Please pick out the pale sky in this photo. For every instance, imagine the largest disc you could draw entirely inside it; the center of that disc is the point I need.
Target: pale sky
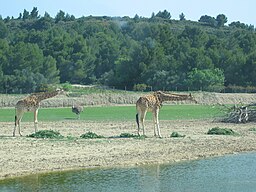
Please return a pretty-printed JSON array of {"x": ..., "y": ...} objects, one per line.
[{"x": 235, "y": 10}]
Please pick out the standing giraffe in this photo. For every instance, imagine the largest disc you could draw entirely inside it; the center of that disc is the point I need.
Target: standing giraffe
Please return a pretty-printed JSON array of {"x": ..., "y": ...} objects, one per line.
[
  {"x": 31, "y": 104},
  {"x": 153, "y": 103}
]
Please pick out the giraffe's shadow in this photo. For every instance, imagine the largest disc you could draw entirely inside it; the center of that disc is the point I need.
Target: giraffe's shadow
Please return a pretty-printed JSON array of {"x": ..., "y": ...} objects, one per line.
[
  {"x": 6, "y": 136},
  {"x": 71, "y": 118}
]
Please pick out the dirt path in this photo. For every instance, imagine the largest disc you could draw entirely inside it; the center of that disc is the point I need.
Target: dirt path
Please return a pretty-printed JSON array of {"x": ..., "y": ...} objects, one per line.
[{"x": 22, "y": 155}]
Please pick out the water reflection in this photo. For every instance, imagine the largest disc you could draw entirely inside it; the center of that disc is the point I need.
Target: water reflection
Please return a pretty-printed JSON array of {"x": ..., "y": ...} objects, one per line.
[{"x": 229, "y": 173}]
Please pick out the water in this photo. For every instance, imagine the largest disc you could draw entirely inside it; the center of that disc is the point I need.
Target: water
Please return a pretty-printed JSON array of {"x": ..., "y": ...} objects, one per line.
[{"x": 230, "y": 173}]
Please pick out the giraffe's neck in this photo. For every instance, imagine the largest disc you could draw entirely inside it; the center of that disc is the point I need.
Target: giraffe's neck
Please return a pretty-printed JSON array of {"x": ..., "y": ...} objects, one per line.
[
  {"x": 172, "y": 97},
  {"x": 42, "y": 96}
]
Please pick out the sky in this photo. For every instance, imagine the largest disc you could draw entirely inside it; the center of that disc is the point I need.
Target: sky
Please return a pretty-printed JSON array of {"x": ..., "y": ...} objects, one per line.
[{"x": 235, "y": 10}]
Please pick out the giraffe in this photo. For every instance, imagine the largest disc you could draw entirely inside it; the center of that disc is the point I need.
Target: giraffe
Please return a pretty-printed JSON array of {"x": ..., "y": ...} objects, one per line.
[
  {"x": 31, "y": 104},
  {"x": 153, "y": 103}
]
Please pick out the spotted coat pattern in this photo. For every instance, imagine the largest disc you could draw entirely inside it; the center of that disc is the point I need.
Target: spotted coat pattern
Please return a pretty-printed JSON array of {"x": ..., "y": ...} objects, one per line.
[
  {"x": 31, "y": 104},
  {"x": 153, "y": 103}
]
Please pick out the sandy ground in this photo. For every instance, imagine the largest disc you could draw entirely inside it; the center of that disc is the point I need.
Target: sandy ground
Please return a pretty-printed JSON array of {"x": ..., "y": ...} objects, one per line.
[{"x": 23, "y": 156}]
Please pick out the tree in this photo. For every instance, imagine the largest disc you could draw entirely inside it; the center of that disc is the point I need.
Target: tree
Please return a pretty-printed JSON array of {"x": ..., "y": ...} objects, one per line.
[
  {"x": 60, "y": 16},
  {"x": 164, "y": 14},
  {"x": 207, "y": 79},
  {"x": 3, "y": 30},
  {"x": 108, "y": 50},
  {"x": 182, "y": 17},
  {"x": 159, "y": 80},
  {"x": 25, "y": 14},
  {"x": 27, "y": 81},
  {"x": 44, "y": 22},
  {"x": 221, "y": 19},
  {"x": 250, "y": 69},
  {"x": 195, "y": 35},
  {"x": 49, "y": 70},
  {"x": 34, "y": 13},
  {"x": 124, "y": 51},
  {"x": 208, "y": 20},
  {"x": 136, "y": 18}
]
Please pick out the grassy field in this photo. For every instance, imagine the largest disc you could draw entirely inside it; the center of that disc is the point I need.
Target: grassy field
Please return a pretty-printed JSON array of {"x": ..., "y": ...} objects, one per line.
[{"x": 114, "y": 113}]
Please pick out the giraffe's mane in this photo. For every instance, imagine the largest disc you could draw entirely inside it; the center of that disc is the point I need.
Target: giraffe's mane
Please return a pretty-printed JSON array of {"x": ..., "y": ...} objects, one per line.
[{"x": 171, "y": 94}]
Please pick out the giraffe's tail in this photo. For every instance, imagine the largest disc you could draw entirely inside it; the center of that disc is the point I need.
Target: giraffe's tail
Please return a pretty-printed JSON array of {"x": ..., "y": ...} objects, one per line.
[
  {"x": 15, "y": 120},
  {"x": 137, "y": 120}
]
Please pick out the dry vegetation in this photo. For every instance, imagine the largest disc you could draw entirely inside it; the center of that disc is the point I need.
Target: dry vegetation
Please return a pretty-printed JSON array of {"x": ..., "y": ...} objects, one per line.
[{"x": 108, "y": 98}]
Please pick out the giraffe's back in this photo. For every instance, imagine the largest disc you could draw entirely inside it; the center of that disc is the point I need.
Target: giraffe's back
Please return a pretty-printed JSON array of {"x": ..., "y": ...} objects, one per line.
[
  {"x": 27, "y": 104},
  {"x": 148, "y": 102}
]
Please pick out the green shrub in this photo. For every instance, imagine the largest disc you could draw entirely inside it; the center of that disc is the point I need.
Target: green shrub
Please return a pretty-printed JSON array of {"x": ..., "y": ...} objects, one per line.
[
  {"x": 66, "y": 86},
  {"x": 46, "y": 134},
  {"x": 140, "y": 87},
  {"x": 91, "y": 135},
  {"x": 221, "y": 131},
  {"x": 252, "y": 129},
  {"x": 127, "y": 135},
  {"x": 176, "y": 134}
]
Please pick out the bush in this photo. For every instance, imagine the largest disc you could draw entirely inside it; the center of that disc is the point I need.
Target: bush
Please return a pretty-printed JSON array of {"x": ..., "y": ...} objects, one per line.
[
  {"x": 221, "y": 131},
  {"x": 206, "y": 79},
  {"x": 46, "y": 134},
  {"x": 91, "y": 135},
  {"x": 140, "y": 87},
  {"x": 67, "y": 86},
  {"x": 176, "y": 134}
]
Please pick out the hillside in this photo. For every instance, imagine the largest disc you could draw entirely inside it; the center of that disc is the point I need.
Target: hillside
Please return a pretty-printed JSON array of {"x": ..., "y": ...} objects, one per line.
[{"x": 119, "y": 52}]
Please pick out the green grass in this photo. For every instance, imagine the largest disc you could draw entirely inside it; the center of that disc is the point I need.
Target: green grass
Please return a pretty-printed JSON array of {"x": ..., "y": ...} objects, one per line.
[{"x": 114, "y": 113}]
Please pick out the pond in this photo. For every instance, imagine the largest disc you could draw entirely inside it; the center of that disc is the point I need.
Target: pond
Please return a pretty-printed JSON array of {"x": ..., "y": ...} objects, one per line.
[{"x": 228, "y": 173}]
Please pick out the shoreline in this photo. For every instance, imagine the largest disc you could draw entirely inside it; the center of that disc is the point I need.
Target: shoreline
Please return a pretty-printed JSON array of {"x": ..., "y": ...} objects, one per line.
[{"x": 22, "y": 156}]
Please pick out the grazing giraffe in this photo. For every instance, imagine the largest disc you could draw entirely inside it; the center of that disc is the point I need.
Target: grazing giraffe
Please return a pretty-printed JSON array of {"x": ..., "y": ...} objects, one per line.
[
  {"x": 31, "y": 104},
  {"x": 153, "y": 103}
]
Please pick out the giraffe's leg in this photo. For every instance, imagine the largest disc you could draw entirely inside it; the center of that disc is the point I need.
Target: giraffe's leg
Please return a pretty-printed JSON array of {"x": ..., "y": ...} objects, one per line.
[
  {"x": 19, "y": 127},
  {"x": 18, "y": 118},
  {"x": 138, "y": 123},
  {"x": 154, "y": 122},
  {"x": 16, "y": 123},
  {"x": 35, "y": 119},
  {"x": 142, "y": 120},
  {"x": 157, "y": 123}
]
